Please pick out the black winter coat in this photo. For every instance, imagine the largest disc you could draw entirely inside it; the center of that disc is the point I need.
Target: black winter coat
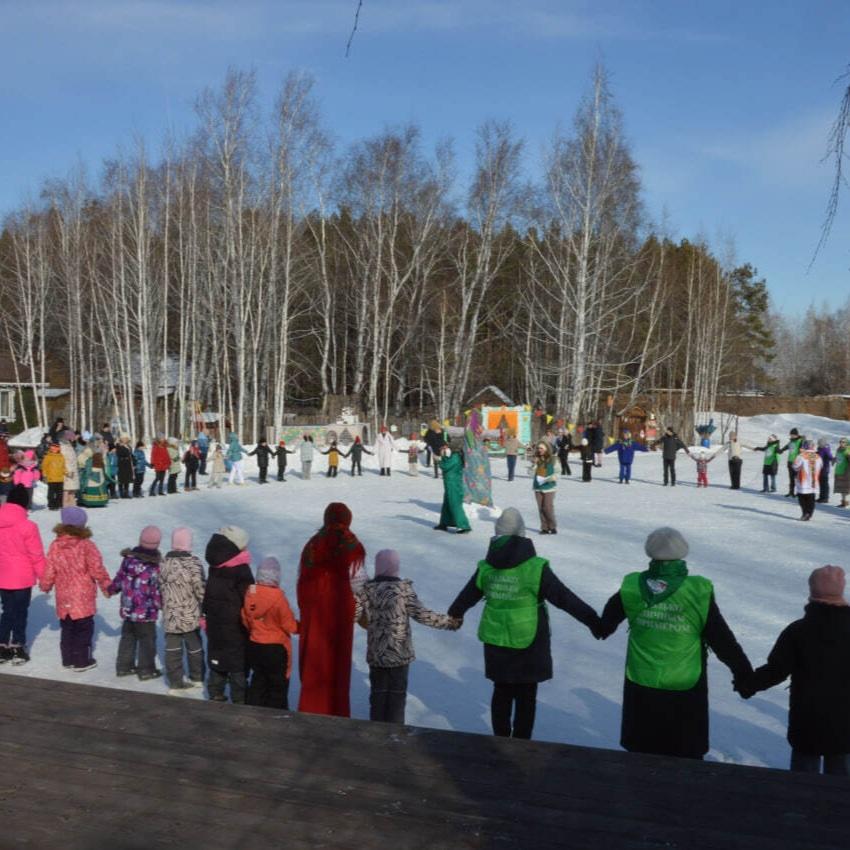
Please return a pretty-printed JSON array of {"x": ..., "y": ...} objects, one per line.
[
  {"x": 263, "y": 453},
  {"x": 281, "y": 454},
  {"x": 124, "y": 455},
  {"x": 563, "y": 446},
  {"x": 815, "y": 652},
  {"x": 595, "y": 437},
  {"x": 534, "y": 663},
  {"x": 227, "y": 638},
  {"x": 674, "y": 723},
  {"x": 356, "y": 452},
  {"x": 435, "y": 440},
  {"x": 670, "y": 444}
]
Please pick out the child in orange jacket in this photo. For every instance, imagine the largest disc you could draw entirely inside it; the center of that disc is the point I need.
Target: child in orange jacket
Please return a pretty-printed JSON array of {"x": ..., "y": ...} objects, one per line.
[{"x": 270, "y": 622}]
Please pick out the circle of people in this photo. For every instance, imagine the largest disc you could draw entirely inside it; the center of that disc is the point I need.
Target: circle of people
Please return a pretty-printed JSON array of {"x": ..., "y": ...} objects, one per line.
[{"x": 672, "y": 615}]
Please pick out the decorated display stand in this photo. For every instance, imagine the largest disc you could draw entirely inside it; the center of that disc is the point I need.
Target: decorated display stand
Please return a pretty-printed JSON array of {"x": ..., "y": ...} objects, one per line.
[{"x": 498, "y": 421}]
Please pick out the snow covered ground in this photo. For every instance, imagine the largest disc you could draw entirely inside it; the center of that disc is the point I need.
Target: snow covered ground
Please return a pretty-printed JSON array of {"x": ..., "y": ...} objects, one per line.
[{"x": 750, "y": 545}]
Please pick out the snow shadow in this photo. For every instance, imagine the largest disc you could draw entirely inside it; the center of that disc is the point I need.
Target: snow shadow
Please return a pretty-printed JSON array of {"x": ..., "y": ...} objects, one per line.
[
  {"x": 428, "y": 523},
  {"x": 434, "y": 507},
  {"x": 756, "y": 511}
]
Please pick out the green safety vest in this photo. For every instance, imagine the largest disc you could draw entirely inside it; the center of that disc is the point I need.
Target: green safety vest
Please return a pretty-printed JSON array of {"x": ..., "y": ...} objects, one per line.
[
  {"x": 770, "y": 453},
  {"x": 512, "y": 609},
  {"x": 665, "y": 639},
  {"x": 794, "y": 447},
  {"x": 841, "y": 459}
]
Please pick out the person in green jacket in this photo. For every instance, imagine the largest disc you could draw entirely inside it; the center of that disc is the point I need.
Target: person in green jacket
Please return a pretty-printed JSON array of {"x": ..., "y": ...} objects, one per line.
[
  {"x": 673, "y": 621},
  {"x": 516, "y": 584},
  {"x": 771, "y": 463},
  {"x": 793, "y": 447},
  {"x": 452, "y": 514}
]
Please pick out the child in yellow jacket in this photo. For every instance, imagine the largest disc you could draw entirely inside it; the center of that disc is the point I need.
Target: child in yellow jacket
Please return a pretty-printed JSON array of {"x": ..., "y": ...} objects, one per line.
[{"x": 53, "y": 470}]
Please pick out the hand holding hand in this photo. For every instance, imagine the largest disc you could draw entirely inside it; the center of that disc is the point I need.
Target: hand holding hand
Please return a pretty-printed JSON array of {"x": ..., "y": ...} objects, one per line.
[{"x": 455, "y": 623}]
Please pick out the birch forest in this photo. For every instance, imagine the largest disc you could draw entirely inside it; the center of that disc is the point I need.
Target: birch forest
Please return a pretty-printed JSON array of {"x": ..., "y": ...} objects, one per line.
[{"x": 256, "y": 268}]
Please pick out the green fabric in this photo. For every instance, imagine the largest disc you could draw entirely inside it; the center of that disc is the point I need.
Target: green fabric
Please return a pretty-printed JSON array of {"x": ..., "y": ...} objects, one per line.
[
  {"x": 665, "y": 639},
  {"x": 452, "y": 514},
  {"x": 93, "y": 493},
  {"x": 842, "y": 457},
  {"x": 512, "y": 609},
  {"x": 794, "y": 447},
  {"x": 671, "y": 573},
  {"x": 770, "y": 453},
  {"x": 548, "y": 485}
]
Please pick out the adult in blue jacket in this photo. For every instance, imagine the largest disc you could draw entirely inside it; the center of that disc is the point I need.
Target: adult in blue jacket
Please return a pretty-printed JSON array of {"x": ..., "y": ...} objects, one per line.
[{"x": 626, "y": 448}]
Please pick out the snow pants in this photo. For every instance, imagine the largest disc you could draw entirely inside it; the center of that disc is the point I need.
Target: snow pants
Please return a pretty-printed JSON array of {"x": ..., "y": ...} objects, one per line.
[
  {"x": 218, "y": 681},
  {"x": 511, "y": 459},
  {"x": 75, "y": 641},
  {"x": 172, "y": 482},
  {"x": 54, "y": 496},
  {"x": 388, "y": 695},
  {"x": 625, "y": 472},
  {"x": 236, "y": 472},
  {"x": 136, "y": 649},
  {"x": 586, "y": 470},
  {"x": 670, "y": 471},
  {"x": 824, "y": 488},
  {"x": 702, "y": 479},
  {"x": 792, "y": 478},
  {"x": 175, "y": 645},
  {"x": 158, "y": 483},
  {"x": 512, "y": 709},
  {"x": 546, "y": 509},
  {"x": 563, "y": 457},
  {"x": 13, "y": 620},
  {"x": 355, "y": 464},
  {"x": 269, "y": 686},
  {"x": 306, "y": 466},
  {"x": 735, "y": 464},
  {"x": 807, "y": 503},
  {"x": 264, "y": 473}
]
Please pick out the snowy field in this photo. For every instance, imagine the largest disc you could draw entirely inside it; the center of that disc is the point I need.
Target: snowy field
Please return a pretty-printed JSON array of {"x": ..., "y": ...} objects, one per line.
[{"x": 750, "y": 545}]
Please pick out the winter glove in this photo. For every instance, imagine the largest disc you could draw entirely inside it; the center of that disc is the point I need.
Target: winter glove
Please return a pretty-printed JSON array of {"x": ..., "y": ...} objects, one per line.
[
  {"x": 455, "y": 623},
  {"x": 744, "y": 687}
]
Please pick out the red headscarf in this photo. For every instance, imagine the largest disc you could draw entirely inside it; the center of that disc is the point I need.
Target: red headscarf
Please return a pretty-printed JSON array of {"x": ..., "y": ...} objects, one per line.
[{"x": 335, "y": 546}]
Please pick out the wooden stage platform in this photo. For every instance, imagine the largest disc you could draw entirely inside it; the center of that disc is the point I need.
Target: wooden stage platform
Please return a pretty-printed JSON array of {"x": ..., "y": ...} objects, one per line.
[{"x": 86, "y": 767}]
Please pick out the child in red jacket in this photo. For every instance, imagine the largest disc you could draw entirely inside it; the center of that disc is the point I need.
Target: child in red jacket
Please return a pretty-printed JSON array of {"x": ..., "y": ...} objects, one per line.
[
  {"x": 75, "y": 568},
  {"x": 270, "y": 622}
]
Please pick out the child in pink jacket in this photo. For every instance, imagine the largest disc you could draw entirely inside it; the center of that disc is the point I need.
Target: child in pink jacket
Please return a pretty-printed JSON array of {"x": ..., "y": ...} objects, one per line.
[
  {"x": 26, "y": 472},
  {"x": 75, "y": 568},
  {"x": 21, "y": 566}
]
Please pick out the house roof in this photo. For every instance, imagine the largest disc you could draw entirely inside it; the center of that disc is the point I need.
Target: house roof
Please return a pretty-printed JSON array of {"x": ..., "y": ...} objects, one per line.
[{"x": 492, "y": 388}]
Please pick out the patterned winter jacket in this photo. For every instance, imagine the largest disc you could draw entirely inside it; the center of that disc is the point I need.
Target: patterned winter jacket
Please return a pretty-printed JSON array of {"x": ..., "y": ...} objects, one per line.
[
  {"x": 75, "y": 568},
  {"x": 388, "y": 604},
  {"x": 181, "y": 582},
  {"x": 137, "y": 580}
]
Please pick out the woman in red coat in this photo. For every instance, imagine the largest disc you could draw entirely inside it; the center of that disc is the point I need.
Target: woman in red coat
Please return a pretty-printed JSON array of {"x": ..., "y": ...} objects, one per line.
[
  {"x": 329, "y": 561},
  {"x": 161, "y": 463}
]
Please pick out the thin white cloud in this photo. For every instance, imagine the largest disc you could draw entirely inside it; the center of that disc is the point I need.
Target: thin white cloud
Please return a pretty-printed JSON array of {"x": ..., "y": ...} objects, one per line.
[
  {"x": 790, "y": 151},
  {"x": 231, "y": 20}
]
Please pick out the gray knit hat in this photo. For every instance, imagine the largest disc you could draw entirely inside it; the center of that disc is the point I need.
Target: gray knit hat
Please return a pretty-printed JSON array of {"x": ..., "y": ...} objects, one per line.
[
  {"x": 666, "y": 544},
  {"x": 269, "y": 571},
  {"x": 510, "y": 523}
]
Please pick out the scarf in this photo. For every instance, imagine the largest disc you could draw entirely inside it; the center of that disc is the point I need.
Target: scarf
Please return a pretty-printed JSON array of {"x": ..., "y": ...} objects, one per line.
[{"x": 661, "y": 580}]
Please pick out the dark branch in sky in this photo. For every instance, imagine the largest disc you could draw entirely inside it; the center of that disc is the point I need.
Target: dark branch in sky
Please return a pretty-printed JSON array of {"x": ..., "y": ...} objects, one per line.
[
  {"x": 354, "y": 28},
  {"x": 835, "y": 151}
]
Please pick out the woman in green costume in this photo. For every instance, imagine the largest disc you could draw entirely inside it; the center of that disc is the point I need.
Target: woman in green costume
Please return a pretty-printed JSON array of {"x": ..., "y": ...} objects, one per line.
[
  {"x": 452, "y": 514},
  {"x": 95, "y": 479}
]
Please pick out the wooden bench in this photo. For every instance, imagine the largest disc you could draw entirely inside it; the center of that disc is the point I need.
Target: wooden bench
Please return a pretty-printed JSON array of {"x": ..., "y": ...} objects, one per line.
[{"x": 87, "y": 767}]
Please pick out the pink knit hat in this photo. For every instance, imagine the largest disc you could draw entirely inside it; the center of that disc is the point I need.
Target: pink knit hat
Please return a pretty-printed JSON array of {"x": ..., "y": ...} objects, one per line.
[
  {"x": 826, "y": 584},
  {"x": 387, "y": 563},
  {"x": 181, "y": 539},
  {"x": 150, "y": 537}
]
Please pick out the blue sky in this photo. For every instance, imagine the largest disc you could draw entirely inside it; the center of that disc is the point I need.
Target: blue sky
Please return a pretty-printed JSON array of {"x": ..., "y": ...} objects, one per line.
[{"x": 727, "y": 105}]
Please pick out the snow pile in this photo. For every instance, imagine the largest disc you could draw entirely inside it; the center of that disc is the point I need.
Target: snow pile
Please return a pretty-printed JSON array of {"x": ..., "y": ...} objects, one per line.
[
  {"x": 754, "y": 430},
  {"x": 750, "y": 545}
]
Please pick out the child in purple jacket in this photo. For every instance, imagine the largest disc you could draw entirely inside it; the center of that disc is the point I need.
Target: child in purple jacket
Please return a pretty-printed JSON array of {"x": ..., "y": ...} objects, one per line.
[{"x": 137, "y": 580}]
